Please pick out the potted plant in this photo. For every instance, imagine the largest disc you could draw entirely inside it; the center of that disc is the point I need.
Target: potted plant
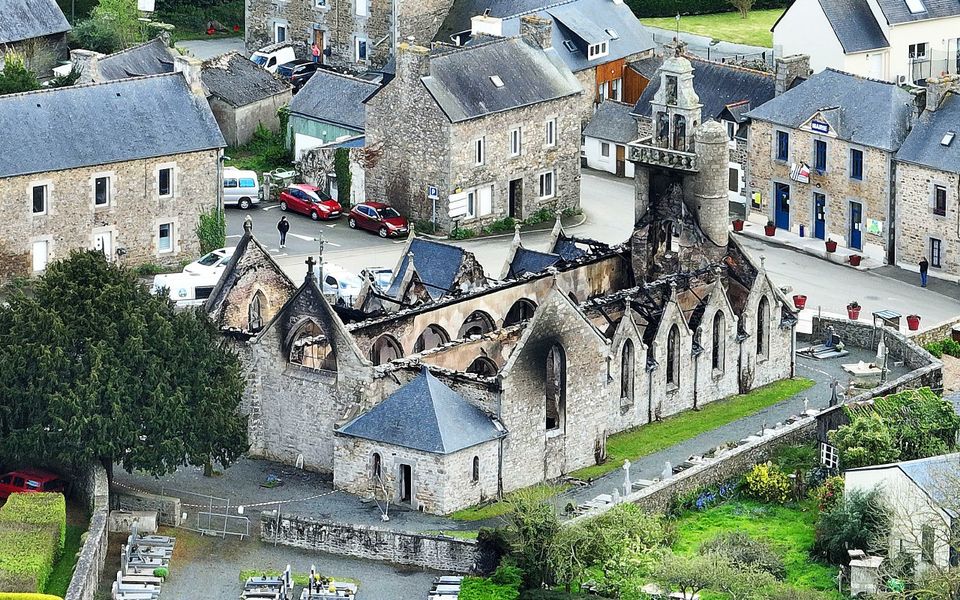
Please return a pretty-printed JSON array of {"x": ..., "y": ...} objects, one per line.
[
  {"x": 853, "y": 310},
  {"x": 913, "y": 322},
  {"x": 738, "y": 224},
  {"x": 831, "y": 245},
  {"x": 770, "y": 229},
  {"x": 855, "y": 260},
  {"x": 799, "y": 300}
]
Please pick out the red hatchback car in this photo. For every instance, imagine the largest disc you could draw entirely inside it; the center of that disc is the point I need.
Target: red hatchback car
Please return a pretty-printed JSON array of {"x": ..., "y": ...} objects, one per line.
[
  {"x": 376, "y": 216},
  {"x": 310, "y": 200},
  {"x": 29, "y": 480}
]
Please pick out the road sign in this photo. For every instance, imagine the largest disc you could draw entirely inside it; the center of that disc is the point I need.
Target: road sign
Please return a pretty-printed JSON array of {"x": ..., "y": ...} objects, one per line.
[{"x": 433, "y": 193}]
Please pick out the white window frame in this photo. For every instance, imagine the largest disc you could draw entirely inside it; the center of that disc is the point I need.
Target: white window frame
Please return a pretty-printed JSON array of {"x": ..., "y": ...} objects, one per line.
[
  {"x": 484, "y": 202},
  {"x": 171, "y": 235},
  {"x": 360, "y": 8},
  {"x": 516, "y": 141},
  {"x": 46, "y": 197},
  {"x": 829, "y": 456},
  {"x": 109, "y": 178},
  {"x": 550, "y": 176},
  {"x": 912, "y": 51},
  {"x": 356, "y": 49},
  {"x": 616, "y": 89},
  {"x": 604, "y": 149},
  {"x": 597, "y": 50},
  {"x": 479, "y": 152},
  {"x": 277, "y": 26},
  {"x": 550, "y": 132},
  {"x": 111, "y": 236}
]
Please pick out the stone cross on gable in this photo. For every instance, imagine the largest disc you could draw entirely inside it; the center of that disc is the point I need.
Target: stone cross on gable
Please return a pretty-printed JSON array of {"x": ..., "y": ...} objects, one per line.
[
  {"x": 247, "y": 224},
  {"x": 310, "y": 264}
]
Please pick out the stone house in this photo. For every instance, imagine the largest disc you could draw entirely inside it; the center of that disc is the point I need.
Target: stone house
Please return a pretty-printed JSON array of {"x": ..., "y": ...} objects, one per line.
[
  {"x": 606, "y": 136},
  {"x": 106, "y": 167},
  {"x": 928, "y": 184},
  {"x": 844, "y": 130},
  {"x": 596, "y": 39},
  {"x": 36, "y": 30},
  {"x": 243, "y": 96},
  {"x": 153, "y": 57},
  {"x": 329, "y": 108},
  {"x": 471, "y": 135}
]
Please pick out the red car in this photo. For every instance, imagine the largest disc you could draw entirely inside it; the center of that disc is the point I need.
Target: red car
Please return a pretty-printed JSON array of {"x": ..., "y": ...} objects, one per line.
[
  {"x": 376, "y": 216},
  {"x": 310, "y": 200},
  {"x": 29, "y": 480}
]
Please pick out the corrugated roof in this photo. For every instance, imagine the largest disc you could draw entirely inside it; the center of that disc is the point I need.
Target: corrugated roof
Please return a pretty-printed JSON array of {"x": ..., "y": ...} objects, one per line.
[
  {"x": 425, "y": 415},
  {"x": 718, "y": 85},
  {"x": 860, "y": 110},
  {"x": 436, "y": 263},
  {"x": 923, "y": 146},
  {"x": 613, "y": 122},
  {"x": 855, "y": 26},
  {"x": 334, "y": 98},
  {"x": 148, "y": 58},
  {"x": 104, "y": 123},
  {"x": 896, "y": 11},
  {"x": 460, "y": 80},
  {"x": 26, "y": 19},
  {"x": 238, "y": 81}
]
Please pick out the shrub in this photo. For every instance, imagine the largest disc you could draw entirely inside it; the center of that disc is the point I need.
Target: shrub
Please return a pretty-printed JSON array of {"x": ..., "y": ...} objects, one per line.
[
  {"x": 744, "y": 552},
  {"x": 27, "y": 596},
  {"x": 341, "y": 166},
  {"x": 542, "y": 215},
  {"x": 461, "y": 233},
  {"x": 161, "y": 572},
  {"x": 500, "y": 226},
  {"x": 15, "y": 76},
  {"x": 475, "y": 588},
  {"x": 860, "y": 521},
  {"x": 945, "y": 346},
  {"x": 47, "y": 509},
  {"x": 829, "y": 494},
  {"x": 27, "y": 554},
  {"x": 212, "y": 230},
  {"x": 768, "y": 483},
  {"x": 507, "y": 575},
  {"x": 95, "y": 34}
]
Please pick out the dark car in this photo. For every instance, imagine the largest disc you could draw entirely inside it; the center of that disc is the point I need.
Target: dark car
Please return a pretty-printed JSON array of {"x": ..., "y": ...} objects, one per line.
[
  {"x": 29, "y": 480},
  {"x": 309, "y": 200},
  {"x": 376, "y": 216},
  {"x": 297, "y": 72}
]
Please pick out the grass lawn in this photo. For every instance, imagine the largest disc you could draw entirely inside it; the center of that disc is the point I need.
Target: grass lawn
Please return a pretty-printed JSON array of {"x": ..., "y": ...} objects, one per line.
[
  {"x": 654, "y": 437},
  {"x": 301, "y": 579},
  {"x": 497, "y": 509},
  {"x": 789, "y": 529},
  {"x": 729, "y": 27},
  {"x": 59, "y": 579},
  {"x": 455, "y": 533}
]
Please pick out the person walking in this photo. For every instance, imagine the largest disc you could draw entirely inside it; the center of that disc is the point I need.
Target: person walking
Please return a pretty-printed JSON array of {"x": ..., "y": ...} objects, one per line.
[
  {"x": 315, "y": 51},
  {"x": 283, "y": 226},
  {"x": 924, "y": 266}
]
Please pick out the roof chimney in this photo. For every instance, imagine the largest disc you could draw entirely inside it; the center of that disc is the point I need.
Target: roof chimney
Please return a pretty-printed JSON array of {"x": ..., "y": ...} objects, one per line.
[
  {"x": 938, "y": 88},
  {"x": 413, "y": 61},
  {"x": 788, "y": 69},
  {"x": 537, "y": 31},
  {"x": 191, "y": 69},
  {"x": 486, "y": 25}
]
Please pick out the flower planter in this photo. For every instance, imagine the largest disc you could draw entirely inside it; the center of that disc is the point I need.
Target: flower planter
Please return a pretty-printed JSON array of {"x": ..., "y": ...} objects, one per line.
[
  {"x": 853, "y": 312},
  {"x": 855, "y": 260},
  {"x": 770, "y": 230},
  {"x": 800, "y": 301},
  {"x": 913, "y": 322},
  {"x": 831, "y": 246},
  {"x": 738, "y": 224}
]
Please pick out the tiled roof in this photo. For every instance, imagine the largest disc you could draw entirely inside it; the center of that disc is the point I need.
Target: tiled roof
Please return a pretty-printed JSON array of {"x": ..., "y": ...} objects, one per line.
[
  {"x": 149, "y": 58},
  {"x": 238, "y": 81},
  {"x": 27, "y": 19},
  {"x": 334, "y": 98},
  {"x": 530, "y": 261},
  {"x": 923, "y": 145},
  {"x": 614, "y": 122}
]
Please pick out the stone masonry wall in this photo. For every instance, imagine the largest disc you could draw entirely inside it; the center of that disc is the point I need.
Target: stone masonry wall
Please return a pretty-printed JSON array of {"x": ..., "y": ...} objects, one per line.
[
  {"x": 399, "y": 547},
  {"x": 917, "y": 225},
  {"x": 133, "y": 214},
  {"x": 93, "y": 487}
]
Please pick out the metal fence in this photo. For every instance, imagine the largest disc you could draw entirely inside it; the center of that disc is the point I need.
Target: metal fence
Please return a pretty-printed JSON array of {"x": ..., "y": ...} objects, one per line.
[{"x": 206, "y": 514}]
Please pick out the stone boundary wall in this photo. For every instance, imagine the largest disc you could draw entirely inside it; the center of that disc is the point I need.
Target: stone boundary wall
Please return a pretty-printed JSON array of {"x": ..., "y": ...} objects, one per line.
[
  {"x": 93, "y": 487},
  {"x": 437, "y": 552},
  {"x": 168, "y": 508},
  {"x": 935, "y": 333}
]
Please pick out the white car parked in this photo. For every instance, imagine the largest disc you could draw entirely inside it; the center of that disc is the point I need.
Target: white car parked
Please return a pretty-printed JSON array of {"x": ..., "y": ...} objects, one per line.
[
  {"x": 195, "y": 284},
  {"x": 340, "y": 285}
]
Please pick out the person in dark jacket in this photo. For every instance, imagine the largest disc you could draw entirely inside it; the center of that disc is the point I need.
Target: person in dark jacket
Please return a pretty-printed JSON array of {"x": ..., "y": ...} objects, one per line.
[
  {"x": 283, "y": 226},
  {"x": 924, "y": 266}
]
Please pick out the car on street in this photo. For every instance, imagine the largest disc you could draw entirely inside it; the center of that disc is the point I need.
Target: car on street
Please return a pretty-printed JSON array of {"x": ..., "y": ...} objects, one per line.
[
  {"x": 311, "y": 201},
  {"x": 340, "y": 285},
  {"x": 30, "y": 480},
  {"x": 210, "y": 263},
  {"x": 195, "y": 283},
  {"x": 297, "y": 72},
  {"x": 382, "y": 276},
  {"x": 378, "y": 217}
]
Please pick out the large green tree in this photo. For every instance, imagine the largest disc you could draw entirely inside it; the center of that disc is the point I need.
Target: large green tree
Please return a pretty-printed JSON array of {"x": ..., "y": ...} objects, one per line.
[{"x": 96, "y": 368}]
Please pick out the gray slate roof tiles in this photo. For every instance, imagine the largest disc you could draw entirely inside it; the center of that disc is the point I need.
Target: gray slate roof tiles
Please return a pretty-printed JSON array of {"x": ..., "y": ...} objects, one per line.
[
  {"x": 860, "y": 110},
  {"x": 923, "y": 146},
  {"x": 436, "y": 264},
  {"x": 460, "y": 80},
  {"x": 238, "y": 81},
  {"x": 104, "y": 123},
  {"x": 334, "y": 98},
  {"x": 425, "y": 415},
  {"x": 530, "y": 261},
  {"x": 27, "y": 19},
  {"x": 149, "y": 58},
  {"x": 896, "y": 11},
  {"x": 613, "y": 122},
  {"x": 855, "y": 26}
]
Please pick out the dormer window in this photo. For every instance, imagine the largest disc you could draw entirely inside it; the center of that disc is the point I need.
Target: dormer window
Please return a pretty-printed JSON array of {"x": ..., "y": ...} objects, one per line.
[
  {"x": 497, "y": 82},
  {"x": 948, "y": 138},
  {"x": 597, "y": 50}
]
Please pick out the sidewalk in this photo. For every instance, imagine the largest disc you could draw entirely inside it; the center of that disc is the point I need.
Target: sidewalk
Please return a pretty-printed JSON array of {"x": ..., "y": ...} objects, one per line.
[
  {"x": 808, "y": 245},
  {"x": 939, "y": 286}
]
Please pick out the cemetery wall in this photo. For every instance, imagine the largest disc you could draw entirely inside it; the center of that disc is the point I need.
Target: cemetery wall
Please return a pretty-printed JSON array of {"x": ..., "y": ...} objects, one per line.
[
  {"x": 168, "y": 507},
  {"x": 93, "y": 488},
  {"x": 936, "y": 333},
  {"x": 437, "y": 552}
]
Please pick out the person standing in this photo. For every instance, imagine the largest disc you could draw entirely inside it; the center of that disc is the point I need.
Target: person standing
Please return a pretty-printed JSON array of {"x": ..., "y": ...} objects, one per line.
[
  {"x": 924, "y": 266},
  {"x": 283, "y": 226},
  {"x": 315, "y": 51}
]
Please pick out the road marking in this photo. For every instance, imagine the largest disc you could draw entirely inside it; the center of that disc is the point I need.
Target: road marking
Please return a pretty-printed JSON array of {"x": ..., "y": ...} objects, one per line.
[
  {"x": 336, "y": 245},
  {"x": 270, "y": 207},
  {"x": 305, "y": 238},
  {"x": 233, "y": 236},
  {"x": 331, "y": 226}
]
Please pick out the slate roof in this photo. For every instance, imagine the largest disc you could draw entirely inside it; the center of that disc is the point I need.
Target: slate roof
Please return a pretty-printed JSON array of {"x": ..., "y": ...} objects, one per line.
[
  {"x": 860, "y": 110},
  {"x": 96, "y": 124},
  {"x": 923, "y": 146},
  {"x": 566, "y": 248},
  {"x": 460, "y": 80},
  {"x": 148, "y": 58},
  {"x": 26, "y": 19},
  {"x": 718, "y": 85},
  {"x": 614, "y": 122},
  {"x": 930, "y": 475},
  {"x": 855, "y": 26},
  {"x": 462, "y": 11},
  {"x": 896, "y": 11},
  {"x": 238, "y": 81},
  {"x": 436, "y": 264},
  {"x": 647, "y": 67},
  {"x": 530, "y": 261},
  {"x": 425, "y": 415},
  {"x": 334, "y": 98}
]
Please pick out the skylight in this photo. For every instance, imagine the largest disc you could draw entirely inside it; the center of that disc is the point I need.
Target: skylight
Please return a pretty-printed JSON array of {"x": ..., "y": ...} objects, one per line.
[
  {"x": 613, "y": 34},
  {"x": 496, "y": 81},
  {"x": 569, "y": 45},
  {"x": 948, "y": 138},
  {"x": 915, "y": 6}
]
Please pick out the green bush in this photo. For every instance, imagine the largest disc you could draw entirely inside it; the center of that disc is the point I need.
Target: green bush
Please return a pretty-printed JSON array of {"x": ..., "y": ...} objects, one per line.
[
  {"x": 500, "y": 226},
  {"x": 475, "y": 588},
  {"x": 861, "y": 521},
  {"x": 669, "y": 8},
  {"x": 212, "y": 230},
  {"x": 341, "y": 166},
  {"x": 767, "y": 483},
  {"x": 97, "y": 35},
  {"x": 48, "y": 509},
  {"x": 27, "y": 554},
  {"x": 192, "y": 16},
  {"x": 744, "y": 552},
  {"x": 828, "y": 495},
  {"x": 15, "y": 76},
  {"x": 946, "y": 346},
  {"x": 461, "y": 233},
  {"x": 541, "y": 216}
]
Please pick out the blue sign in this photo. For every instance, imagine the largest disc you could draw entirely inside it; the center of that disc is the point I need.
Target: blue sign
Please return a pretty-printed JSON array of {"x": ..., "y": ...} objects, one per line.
[
  {"x": 433, "y": 193},
  {"x": 820, "y": 126}
]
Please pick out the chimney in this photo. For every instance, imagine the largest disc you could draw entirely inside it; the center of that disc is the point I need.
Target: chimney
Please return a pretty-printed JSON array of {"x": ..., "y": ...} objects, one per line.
[
  {"x": 486, "y": 25},
  {"x": 413, "y": 61},
  {"x": 86, "y": 61},
  {"x": 537, "y": 31},
  {"x": 191, "y": 69},
  {"x": 938, "y": 88},
  {"x": 788, "y": 69}
]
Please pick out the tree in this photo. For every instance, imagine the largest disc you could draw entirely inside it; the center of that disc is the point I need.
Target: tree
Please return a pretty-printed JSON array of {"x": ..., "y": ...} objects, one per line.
[
  {"x": 16, "y": 77},
  {"x": 688, "y": 574},
  {"x": 341, "y": 166},
  {"x": 867, "y": 440},
  {"x": 212, "y": 230},
  {"x": 532, "y": 527},
  {"x": 113, "y": 25},
  {"x": 96, "y": 368},
  {"x": 861, "y": 521},
  {"x": 743, "y": 6}
]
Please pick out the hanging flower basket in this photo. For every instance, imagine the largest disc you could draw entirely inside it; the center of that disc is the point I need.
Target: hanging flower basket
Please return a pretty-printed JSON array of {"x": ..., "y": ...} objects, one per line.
[
  {"x": 738, "y": 224},
  {"x": 800, "y": 301},
  {"x": 913, "y": 322},
  {"x": 855, "y": 260}
]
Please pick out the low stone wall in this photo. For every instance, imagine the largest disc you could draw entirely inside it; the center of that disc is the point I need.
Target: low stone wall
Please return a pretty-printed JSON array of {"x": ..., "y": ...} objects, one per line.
[
  {"x": 901, "y": 347},
  {"x": 94, "y": 488},
  {"x": 935, "y": 333},
  {"x": 440, "y": 553},
  {"x": 168, "y": 508}
]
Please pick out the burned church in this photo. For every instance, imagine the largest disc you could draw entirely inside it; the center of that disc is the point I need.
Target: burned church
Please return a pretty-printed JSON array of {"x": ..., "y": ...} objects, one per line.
[{"x": 452, "y": 387}]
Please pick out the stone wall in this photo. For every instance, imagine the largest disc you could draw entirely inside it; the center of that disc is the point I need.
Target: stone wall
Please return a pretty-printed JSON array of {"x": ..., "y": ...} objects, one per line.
[
  {"x": 935, "y": 333},
  {"x": 238, "y": 124},
  {"x": 435, "y": 552},
  {"x": 168, "y": 508},
  {"x": 918, "y": 225},
  {"x": 93, "y": 488}
]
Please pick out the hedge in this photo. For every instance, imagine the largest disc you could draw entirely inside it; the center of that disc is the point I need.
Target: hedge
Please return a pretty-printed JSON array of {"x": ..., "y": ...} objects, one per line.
[
  {"x": 27, "y": 596},
  {"x": 27, "y": 554},
  {"x": 37, "y": 509},
  {"x": 669, "y": 8}
]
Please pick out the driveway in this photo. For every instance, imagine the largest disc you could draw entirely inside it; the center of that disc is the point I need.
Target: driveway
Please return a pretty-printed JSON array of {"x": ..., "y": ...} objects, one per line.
[{"x": 204, "y": 49}]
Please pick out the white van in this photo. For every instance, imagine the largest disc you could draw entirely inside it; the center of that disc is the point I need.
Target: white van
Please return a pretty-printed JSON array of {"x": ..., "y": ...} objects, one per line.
[
  {"x": 240, "y": 188},
  {"x": 195, "y": 284},
  {"x": 340, "y": 285},
  {"x": 272, "y": 56}
]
